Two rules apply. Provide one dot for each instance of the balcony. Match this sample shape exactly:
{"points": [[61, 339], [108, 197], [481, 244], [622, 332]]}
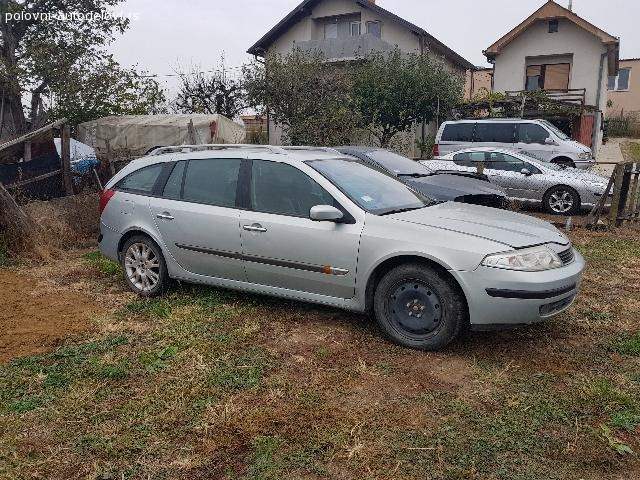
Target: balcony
{"points": [[345, 49]]}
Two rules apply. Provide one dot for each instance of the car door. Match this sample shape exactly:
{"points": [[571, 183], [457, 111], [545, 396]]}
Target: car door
{"points": [[531, 140], [507, 171], [283, 247], [198, 219]]}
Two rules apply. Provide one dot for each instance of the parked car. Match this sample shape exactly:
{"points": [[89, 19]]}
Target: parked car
{"points": [[439, 185], [537, 138], [560, 190], [327, 228]]}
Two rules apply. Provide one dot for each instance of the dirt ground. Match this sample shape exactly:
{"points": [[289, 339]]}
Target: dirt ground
{"points": [[33, 320]]}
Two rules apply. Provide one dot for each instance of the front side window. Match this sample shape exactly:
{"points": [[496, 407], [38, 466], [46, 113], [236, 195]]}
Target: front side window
{"points": [[532, 133], [370, 189], [375, 29], [458, 132], [284, 190], [355, 29], [503, 162], [468, 159], [141, 181], [498, 132], [212, 181], [621, 81]]}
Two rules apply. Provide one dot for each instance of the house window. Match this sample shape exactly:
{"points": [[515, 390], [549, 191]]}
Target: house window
{"points": [[355, 28], [553, 76], [553, 26], [621, 81], [331, 30], [375, 29]]}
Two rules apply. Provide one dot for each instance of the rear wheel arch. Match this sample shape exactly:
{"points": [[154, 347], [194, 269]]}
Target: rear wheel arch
{"points": [[390, 263], [136, 232]]}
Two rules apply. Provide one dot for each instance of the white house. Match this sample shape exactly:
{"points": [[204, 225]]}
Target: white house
{"points": [[556, 50]]}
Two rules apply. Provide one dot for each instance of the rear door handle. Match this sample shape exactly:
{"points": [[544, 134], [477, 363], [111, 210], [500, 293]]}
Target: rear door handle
{"points": [[256, 227], [165, 216]]}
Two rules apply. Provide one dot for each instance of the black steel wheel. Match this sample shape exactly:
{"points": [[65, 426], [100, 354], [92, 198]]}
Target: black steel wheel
{"points": [[419, 307]]}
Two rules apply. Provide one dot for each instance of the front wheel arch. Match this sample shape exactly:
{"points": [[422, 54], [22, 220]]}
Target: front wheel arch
{"points": [[390, 263]]}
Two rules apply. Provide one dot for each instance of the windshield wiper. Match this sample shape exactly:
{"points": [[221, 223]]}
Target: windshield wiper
{"points": [[400, 210]]}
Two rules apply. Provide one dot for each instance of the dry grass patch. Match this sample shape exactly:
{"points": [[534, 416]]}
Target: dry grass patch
{"points": [[205, 383]]}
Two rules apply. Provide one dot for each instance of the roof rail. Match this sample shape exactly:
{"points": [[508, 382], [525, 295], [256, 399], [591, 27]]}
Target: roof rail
{"points": [[310, 149], [213, 146]]}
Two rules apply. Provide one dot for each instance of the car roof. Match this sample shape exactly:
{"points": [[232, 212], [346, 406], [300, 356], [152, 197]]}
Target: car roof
{"points": [[357, 148], [493, 120], [508, 151]]}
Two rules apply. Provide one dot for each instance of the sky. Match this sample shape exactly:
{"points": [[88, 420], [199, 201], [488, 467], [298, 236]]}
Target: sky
{"points": [[177, 35]]}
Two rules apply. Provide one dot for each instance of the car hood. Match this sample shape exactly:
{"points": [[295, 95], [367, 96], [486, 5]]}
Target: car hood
{"points": [[579, 146], [509, 228], [449, 187]]}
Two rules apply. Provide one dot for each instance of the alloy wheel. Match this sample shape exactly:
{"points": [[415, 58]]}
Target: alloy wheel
{"points": [[142, 267], [561, 201]]}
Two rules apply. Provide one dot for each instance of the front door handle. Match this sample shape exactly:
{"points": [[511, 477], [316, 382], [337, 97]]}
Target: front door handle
{"points": [[165, 216], [256, 227]]}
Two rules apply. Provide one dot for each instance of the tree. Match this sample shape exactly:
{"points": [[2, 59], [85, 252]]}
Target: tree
{"points": [[104, 88], [309, 98], [392, 91], [41, 44], [214, 92]]}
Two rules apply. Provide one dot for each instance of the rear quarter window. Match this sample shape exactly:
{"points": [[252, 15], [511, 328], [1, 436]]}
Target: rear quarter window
{"points": [[142, 180], [458, 132]]}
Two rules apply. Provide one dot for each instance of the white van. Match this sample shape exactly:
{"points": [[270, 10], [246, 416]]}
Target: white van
{"points": [[537, 138]]}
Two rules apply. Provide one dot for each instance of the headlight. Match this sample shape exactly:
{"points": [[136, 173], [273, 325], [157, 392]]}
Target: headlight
{"points": [[532, 259], [595, 184], [584, 156]]}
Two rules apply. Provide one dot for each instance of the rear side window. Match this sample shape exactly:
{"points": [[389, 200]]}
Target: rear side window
{"points": [[495, 132], [531, 133], [458, 132], [468, 159], [173, 186], [141, 181], [212, 181], [282, 189]]}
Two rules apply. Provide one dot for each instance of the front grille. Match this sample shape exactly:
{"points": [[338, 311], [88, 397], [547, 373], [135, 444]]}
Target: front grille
{"points": [[566, 256]]}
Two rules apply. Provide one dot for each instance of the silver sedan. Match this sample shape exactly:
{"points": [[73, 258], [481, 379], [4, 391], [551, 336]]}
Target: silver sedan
{"points": [[560, 190]]}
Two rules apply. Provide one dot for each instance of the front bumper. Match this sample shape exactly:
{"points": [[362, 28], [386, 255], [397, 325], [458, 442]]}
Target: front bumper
{"points": [[504, 297]]}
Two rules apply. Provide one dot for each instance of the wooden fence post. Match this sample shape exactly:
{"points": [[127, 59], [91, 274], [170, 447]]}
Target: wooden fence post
{"points": [[65, 149]]}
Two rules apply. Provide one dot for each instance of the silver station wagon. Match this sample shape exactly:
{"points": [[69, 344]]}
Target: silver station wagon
{"points": [[320, 227]]}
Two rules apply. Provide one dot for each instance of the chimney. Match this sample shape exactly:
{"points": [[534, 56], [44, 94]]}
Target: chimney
{"points": [[571, 5]]}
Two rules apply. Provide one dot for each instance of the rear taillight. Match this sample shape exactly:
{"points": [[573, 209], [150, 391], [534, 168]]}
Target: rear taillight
{"points": [[105, 197], [436, 150]]}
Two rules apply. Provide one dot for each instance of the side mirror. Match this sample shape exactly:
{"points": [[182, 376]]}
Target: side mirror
{"points": [[325, 213], [526, 172], [549, 141]]}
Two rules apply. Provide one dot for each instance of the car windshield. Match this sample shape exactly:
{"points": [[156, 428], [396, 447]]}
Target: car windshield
{"points": [[555, 130], [397, 163], [372, 190]]}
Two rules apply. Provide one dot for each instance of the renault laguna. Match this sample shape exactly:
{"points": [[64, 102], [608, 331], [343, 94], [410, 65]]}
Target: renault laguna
{"points": [[322, 227]]}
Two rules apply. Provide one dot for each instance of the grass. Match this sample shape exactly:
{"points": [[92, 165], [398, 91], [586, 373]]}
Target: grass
{"points": [[102, 263], [205, 383]]}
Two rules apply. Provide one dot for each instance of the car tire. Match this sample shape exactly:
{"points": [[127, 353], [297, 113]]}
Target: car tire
{"points": [[418, 307], [144, 266], [561, 200]]}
